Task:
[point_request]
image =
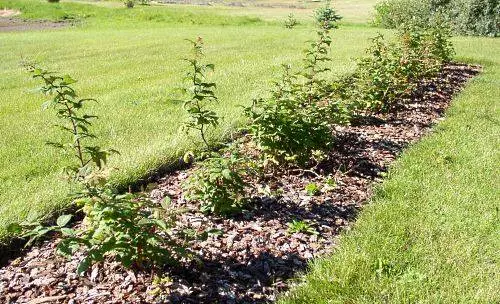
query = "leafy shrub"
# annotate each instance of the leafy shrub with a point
(312, 89)
(129, 3)
(285, 129)
(468, 17)
(316, 56)
(219, 183)
(291, 21)
(393, 13)
(379, 77)
(200, 93)
(392, 71)
(475, 17)
(326, 17)
(126, 227)
(295, 120)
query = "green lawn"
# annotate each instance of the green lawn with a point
(130, 60)
(432, 232)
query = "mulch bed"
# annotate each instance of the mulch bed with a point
(256, 255)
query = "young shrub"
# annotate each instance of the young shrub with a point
(379, 79)
(129, 3)
(200, 93)
(291, 21)
(326, 17)
(438, 39)
(68, 108)
(424, 50)
(283, 128)
(312, 89)
(316, 56)
(219, 183)
(129, 228)
(392, 71)
(294, 122)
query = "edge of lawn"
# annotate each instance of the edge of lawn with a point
(431, 232)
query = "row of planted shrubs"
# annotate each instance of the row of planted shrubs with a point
(466, 17)
(291, 127)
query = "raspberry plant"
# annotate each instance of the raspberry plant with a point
(219, 183)
(200, 93)
(129, 228)
(392, 71)
(68, 108)
(316, 55)
(283, 128)
(294, 122)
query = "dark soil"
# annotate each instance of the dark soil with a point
(256, 255)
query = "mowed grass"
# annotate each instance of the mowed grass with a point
(132, 69)
(432, 231)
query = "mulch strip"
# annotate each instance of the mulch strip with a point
(256, 255)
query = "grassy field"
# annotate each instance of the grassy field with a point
(130, 60)
(432, 232)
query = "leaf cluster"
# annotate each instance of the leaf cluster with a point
(129, 228)
(301, 226)
(219, 182)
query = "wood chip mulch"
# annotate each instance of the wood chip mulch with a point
(255, 255)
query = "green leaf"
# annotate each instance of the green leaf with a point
(67, 231)
(226, 173)
(68, 80)
(63, 220)
(14, 228)
(84, 265)
(166, 202)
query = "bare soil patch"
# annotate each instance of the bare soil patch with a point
(12, 24)
(8, 13)
(234, 3)
(255, 256)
